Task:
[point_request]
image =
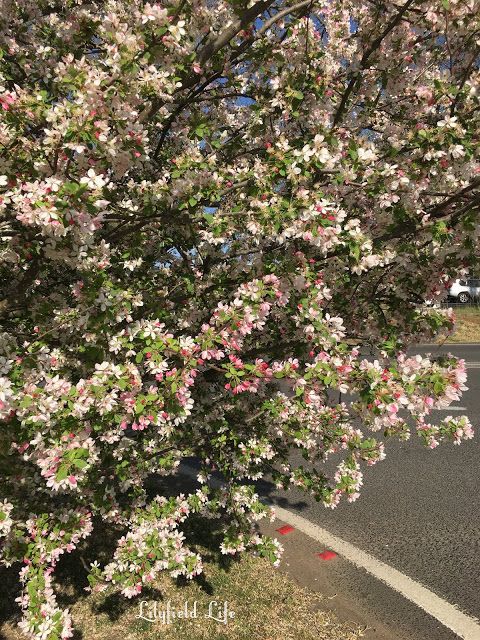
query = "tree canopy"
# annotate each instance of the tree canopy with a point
(211, 213)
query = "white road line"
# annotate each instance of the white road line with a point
(448, 344)
(452, 409)
(449, 615)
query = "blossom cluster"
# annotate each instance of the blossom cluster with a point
(219, 225)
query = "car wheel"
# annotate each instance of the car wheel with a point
(463, 297)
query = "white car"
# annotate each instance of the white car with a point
(465, 290)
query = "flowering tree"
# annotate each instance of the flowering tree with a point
(209, 211)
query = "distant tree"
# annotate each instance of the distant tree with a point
(210, 211)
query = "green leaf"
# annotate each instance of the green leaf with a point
(81, 464)
(62, 473)
(438, 387)
(81, 452)
(355, 251)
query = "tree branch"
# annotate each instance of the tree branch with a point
(363, 62)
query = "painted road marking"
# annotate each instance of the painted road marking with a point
(472, 365)
(449, 615)
(446, 344)
(284, 530)
(451, 409)
(327, 555)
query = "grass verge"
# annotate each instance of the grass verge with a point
(468, 325)
(267, 605)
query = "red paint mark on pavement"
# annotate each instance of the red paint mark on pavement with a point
(285, 529)
(327, 555)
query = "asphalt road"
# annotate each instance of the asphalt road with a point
(419, 512)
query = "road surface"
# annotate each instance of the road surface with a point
(419, 512)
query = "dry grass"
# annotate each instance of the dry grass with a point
(468, 325)
(267, 604)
